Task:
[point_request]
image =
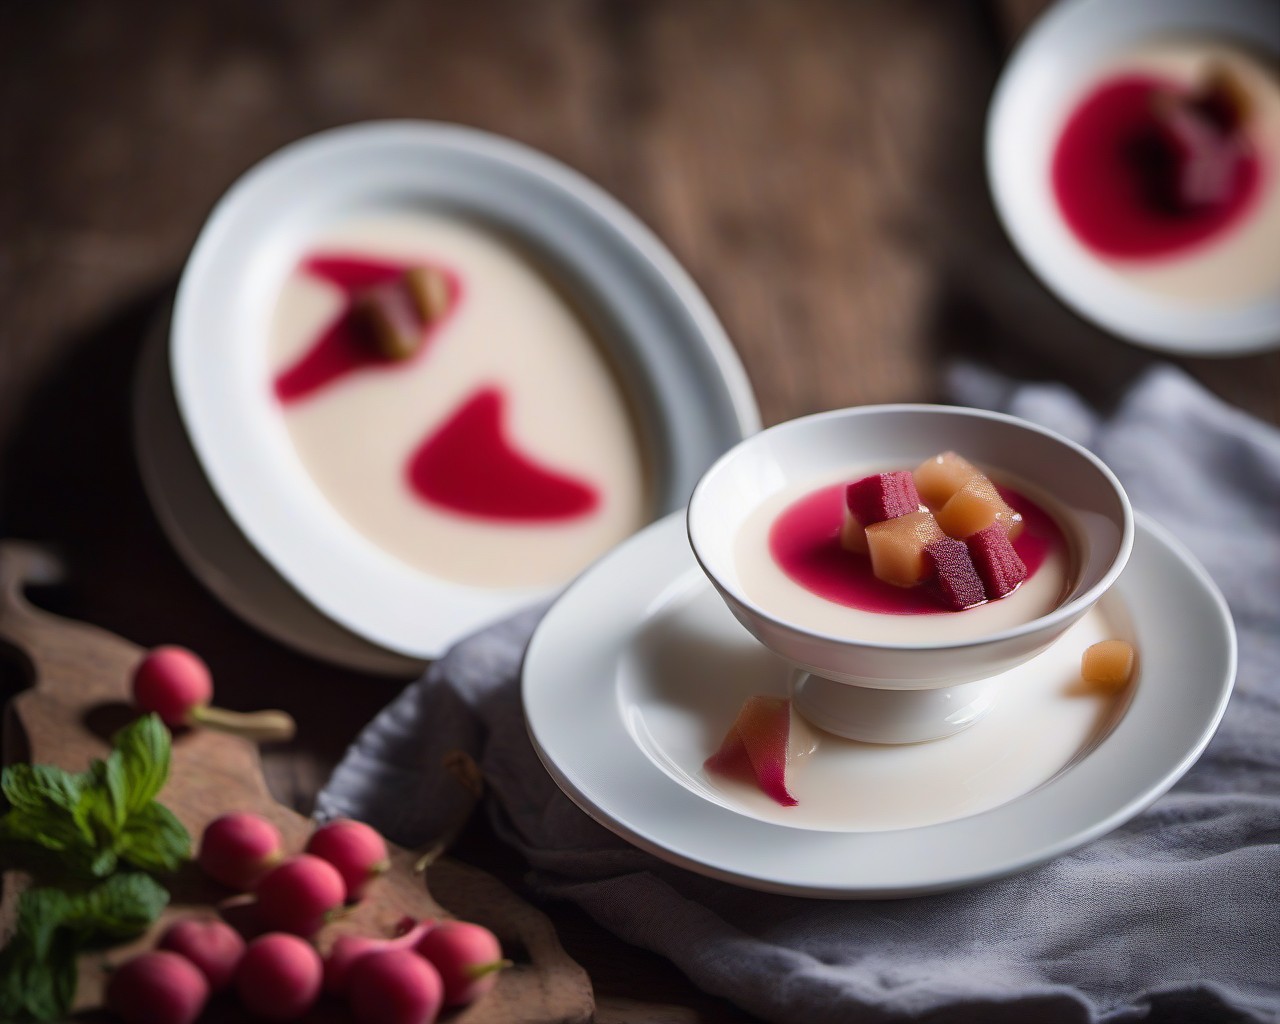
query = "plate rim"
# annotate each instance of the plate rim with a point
(998, 865)
(382, 611)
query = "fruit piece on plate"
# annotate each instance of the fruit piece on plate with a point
(897, 547)
(389, 318)
(942, 475)
(953, 570)
(853, 535)
(430, 292)
(1108, 664)
(881, 496)
(755, 748)
(975, 506)
(998, 564)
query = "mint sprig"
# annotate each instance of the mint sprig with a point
(74, 832)
(90, 821)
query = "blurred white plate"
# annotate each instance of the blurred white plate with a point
(630, 769)
(215, 551)
(691, 394)
(1058, 56)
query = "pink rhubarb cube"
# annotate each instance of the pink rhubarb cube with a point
(998, 564)
(881, 496)
(954, 572)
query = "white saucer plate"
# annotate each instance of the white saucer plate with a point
(619, 762)
(1052, 64)
(683, 378)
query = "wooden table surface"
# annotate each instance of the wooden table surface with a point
(815, 164)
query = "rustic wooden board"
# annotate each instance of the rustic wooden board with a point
(79, 697)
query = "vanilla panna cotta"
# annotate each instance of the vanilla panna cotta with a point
(497, 449)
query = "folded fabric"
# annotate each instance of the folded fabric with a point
(1173, 917)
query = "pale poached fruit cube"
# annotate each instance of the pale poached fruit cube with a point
(975, 506)
(1108, 664)
(939, 477)
(897, 547)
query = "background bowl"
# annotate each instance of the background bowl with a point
(818, 447)
(1055, 61)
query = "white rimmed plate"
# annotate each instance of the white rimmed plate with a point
(1058, 56)
(1185, 638)
(685, 380)
(217, 553)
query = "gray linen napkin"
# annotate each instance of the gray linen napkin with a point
(1173, 917)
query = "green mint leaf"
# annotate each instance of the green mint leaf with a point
(30, 786)
(104, 799)
(155, 840)
(144, 749)
(122, 906)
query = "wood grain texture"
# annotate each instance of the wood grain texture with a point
(79, 697)
(815, 164)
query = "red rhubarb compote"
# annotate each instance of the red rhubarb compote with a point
(1165, 166)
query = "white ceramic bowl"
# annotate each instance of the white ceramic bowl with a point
(815, 448)
(1055, 60)
(689, 390)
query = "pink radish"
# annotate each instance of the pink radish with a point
(237, 849)
(468, 957)
(213, 946)
(394, 986)
(347, 949)
(158, 987)
(176, 684)
(301, 895)
(279, 977)
(356, 850)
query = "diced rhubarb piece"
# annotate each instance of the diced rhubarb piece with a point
(881, 496)
(897, 547)
(1108, 664)
(387, 318)
(941, 476)
(998, 565)
(975, 506)
(755, 748)
(1195, 164)
(430, 292)
(953, 570)
(853, 535)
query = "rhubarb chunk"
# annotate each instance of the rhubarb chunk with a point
(897, 547)
(998, 564)
(430, 292)
(1108, 664)
(975, 506)
(952, 568)
(853, 535)
(386, 316)
(941, 476)
(755, 748)
(881, 496)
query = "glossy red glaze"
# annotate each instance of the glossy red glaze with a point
(338, 350)
(469, 466)
(805, 542)
(1099, 177)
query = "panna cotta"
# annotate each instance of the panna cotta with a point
(1165, 169)
(451, 404)
(791, 562)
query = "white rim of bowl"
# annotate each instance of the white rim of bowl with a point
(1063, 611)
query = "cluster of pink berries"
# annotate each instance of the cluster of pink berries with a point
(279, 976)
